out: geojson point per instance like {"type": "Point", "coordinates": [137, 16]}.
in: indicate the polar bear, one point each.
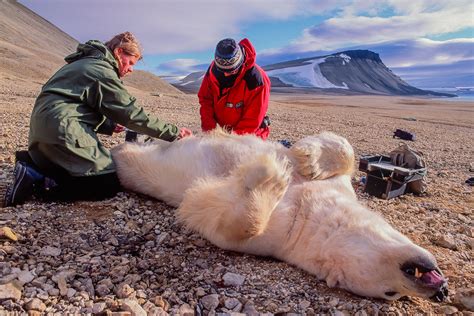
{"type": "Point", "coordinates": [297, 205]}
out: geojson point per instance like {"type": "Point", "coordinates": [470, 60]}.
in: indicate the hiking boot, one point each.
{"type": "Point", "coordinates": [22, 188]}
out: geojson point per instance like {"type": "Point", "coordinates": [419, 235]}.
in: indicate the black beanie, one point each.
{"type": "Point", "coordinates": [228, 55]}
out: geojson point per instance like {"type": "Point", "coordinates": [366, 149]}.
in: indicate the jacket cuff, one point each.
{"type": "Point", "coordinates": [107, 127]}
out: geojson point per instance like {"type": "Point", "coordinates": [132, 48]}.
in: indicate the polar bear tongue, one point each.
{"type": "Point", "coordinates": [432, 278]}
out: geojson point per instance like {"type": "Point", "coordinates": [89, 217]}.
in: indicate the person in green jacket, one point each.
{"type": "Point", "coordinates": [65, 159]}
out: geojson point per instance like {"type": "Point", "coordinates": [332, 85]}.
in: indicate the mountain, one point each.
{"type": "Point", "coordinates": [348, 72]}
{"type": "Point", "coordinates": [30, 46]}
{"type": "Point", "coordinates": [32, 49]}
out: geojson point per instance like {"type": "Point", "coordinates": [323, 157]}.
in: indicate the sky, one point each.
{"type": "Point", "coordinates": [418, 39]}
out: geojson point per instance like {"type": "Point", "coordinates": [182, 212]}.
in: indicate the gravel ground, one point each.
{"type": "Point", "coordinates": [127, 256]}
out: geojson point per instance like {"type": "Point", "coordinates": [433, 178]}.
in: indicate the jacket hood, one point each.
{"type": "Point", "coordinates": [92, 49]}
{"type": "Point", "coordinates": [250, 54]}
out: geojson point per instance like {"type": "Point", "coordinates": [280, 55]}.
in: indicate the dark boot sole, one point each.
{"type": "Point", "coordinates": [18, 174]}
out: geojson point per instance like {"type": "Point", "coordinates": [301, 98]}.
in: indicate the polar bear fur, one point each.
{"type": "Point", "coordinates": [297, 205]}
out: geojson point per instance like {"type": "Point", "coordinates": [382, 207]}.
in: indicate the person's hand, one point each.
{"type": "Point", "coordinates": [119, 128]}
{"type": "Point", "coordinates": [184, 132]}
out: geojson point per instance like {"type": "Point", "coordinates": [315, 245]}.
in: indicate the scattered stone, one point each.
{"type": "Point", "coordinates": [25, 277]}
{"type": "Point", "coordinates": [102, 290]}
{"type": "Point", "coordinates": [233, 304]}
{"type": "Point", "coordinates": [62, 285]}
{"type": "Point", "coordinates": [464, 298]}
{"type": "Point", "coordinates": [200, 292]}
{"type": "Point", "coordinates": [448, 310]}
{"type": "Point", "coordinates": [35, 304]}
{"type": "Point", "coordinates": [133, 307]}
{"type": "Point", "coordinates": [124, 290]}
{"type": "Point", "coordinates": [98, 307]}
{"type": "Point", "coordinates": [445, 241]}
{"type": "Point", "coordinates": [249, 309]}
{"type": "Point", "coordinates": [186, 310]}
{"type": "Point", "coordinates": [304, 304]}
{"type": "Point", "coordinates": [210, 302]}
{"type": "Point", "coordinates": [70, 292]}
{"type": "Point", "coordinates": [333, 302]}
{"type": "Point", "coordinates": [50, 251]}
{"type": "Point", "coordinates": [11, 290]}
{"type": "Point", "coordinates": [233, 279]}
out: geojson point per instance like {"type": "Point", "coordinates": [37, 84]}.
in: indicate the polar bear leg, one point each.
{"type": "Point", "coordinates": [140, 169]}
{"type": "Point", "coordinates": [323, 156]}
{"type": "Point", "coordinates": [239, 206]}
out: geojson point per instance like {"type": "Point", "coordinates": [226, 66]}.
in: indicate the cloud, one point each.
{"type": "Point", "coordinates": [459, 74]}
{"type": "Point", "coordinates": [168, 27]}
{"type": "Point", "coordinates": [396, 29]}
{"type": "Point", "coordinates": [415, 20]}
{"type": "Point", "coordinates": [409, 53]}
{"type": "Point", "coordinates": [181, 66]}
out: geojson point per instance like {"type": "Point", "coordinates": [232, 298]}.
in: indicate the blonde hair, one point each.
{"type": "Point", "coordinates": [127, 42]}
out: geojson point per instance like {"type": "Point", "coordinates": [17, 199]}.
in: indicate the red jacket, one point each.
{"type": "Point", "coordinates": [242, 107]}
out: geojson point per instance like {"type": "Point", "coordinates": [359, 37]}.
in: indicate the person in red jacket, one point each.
{"type": "Point", "coordinates": [235, 91]}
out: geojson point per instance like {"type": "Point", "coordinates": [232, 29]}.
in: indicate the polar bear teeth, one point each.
{"type": "Point", "coordinates": [418, 274]}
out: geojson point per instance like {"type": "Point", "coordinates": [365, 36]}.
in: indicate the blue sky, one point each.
{"type": "Point", "coordinates": [414, 37]}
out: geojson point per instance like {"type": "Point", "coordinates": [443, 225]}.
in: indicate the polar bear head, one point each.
{"type": "Point", "coordinates": [370, 258]}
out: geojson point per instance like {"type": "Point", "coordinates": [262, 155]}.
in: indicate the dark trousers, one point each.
{"type": "Point", "coordinates": [70, 188]}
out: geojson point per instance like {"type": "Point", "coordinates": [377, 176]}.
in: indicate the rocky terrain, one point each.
{"type": "Point", "coordinates": [127, 256]}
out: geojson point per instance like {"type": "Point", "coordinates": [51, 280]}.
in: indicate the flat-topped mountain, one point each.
{"type": "Point", "coordinates": [348, 72]}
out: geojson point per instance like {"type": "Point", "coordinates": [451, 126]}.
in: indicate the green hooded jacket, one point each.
{"type": "Point", "coordinates": [86, 97]}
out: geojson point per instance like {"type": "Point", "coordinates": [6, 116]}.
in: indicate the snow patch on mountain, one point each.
{"type": "Point", "coordinates": [345, 58]}
{"type": "Point", "coordinates": [307, 75]}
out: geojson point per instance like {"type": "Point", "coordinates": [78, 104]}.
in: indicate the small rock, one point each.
{"type": "Point", "coordinates": [53, 292]}
{"type": "Point", "coordinates": [124, 290]}
{"type": "Point", "coordinates": [35, 304]}
{"type": "Point", "coordinates": [98, 307]}
{"type": "Point", "coordinates": [186, 310]}
{"type": "Point", "coordinates": [11, 290]}
{"type": "Point", "coordinates": [249, 309]}
{"type": "Point", "coordinates": [141, 294]}
{"type": "Point", "coordinates": [304, 304]}
{"type": "Point", "coordinates": [161, 302]}
{"type": "Point", "coordinates": [161, 238]}
{"type": "Point", "coordinates": [464, 298]}
{"type": "Point", "coordinates": [50, 251]}
{"type": "Point", "coordinates": [231, 303]}
{"type": "Point", "coordinates": [25, 277]}
{"type": "Point", "coordinates": [102, 290]}
{"type": "Point", "coordinates": [62, 285]}
{"type": "Point", "coordinates": [233, 279]}
{"type": "Point", "coordinates": [133, 307]}
{"type": "Point", "coordinates": [448, 310]}
{"type": "Point", "coordinates": [70, 292]}
{"type": "Point", "coordinates": [445, 241]}
{"type": "Point", "coordinates": [333, 302]}
{"type": "Point", "coordinates": [42, 296]}
{"type": "Point", "coordinates": [210, 302]}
